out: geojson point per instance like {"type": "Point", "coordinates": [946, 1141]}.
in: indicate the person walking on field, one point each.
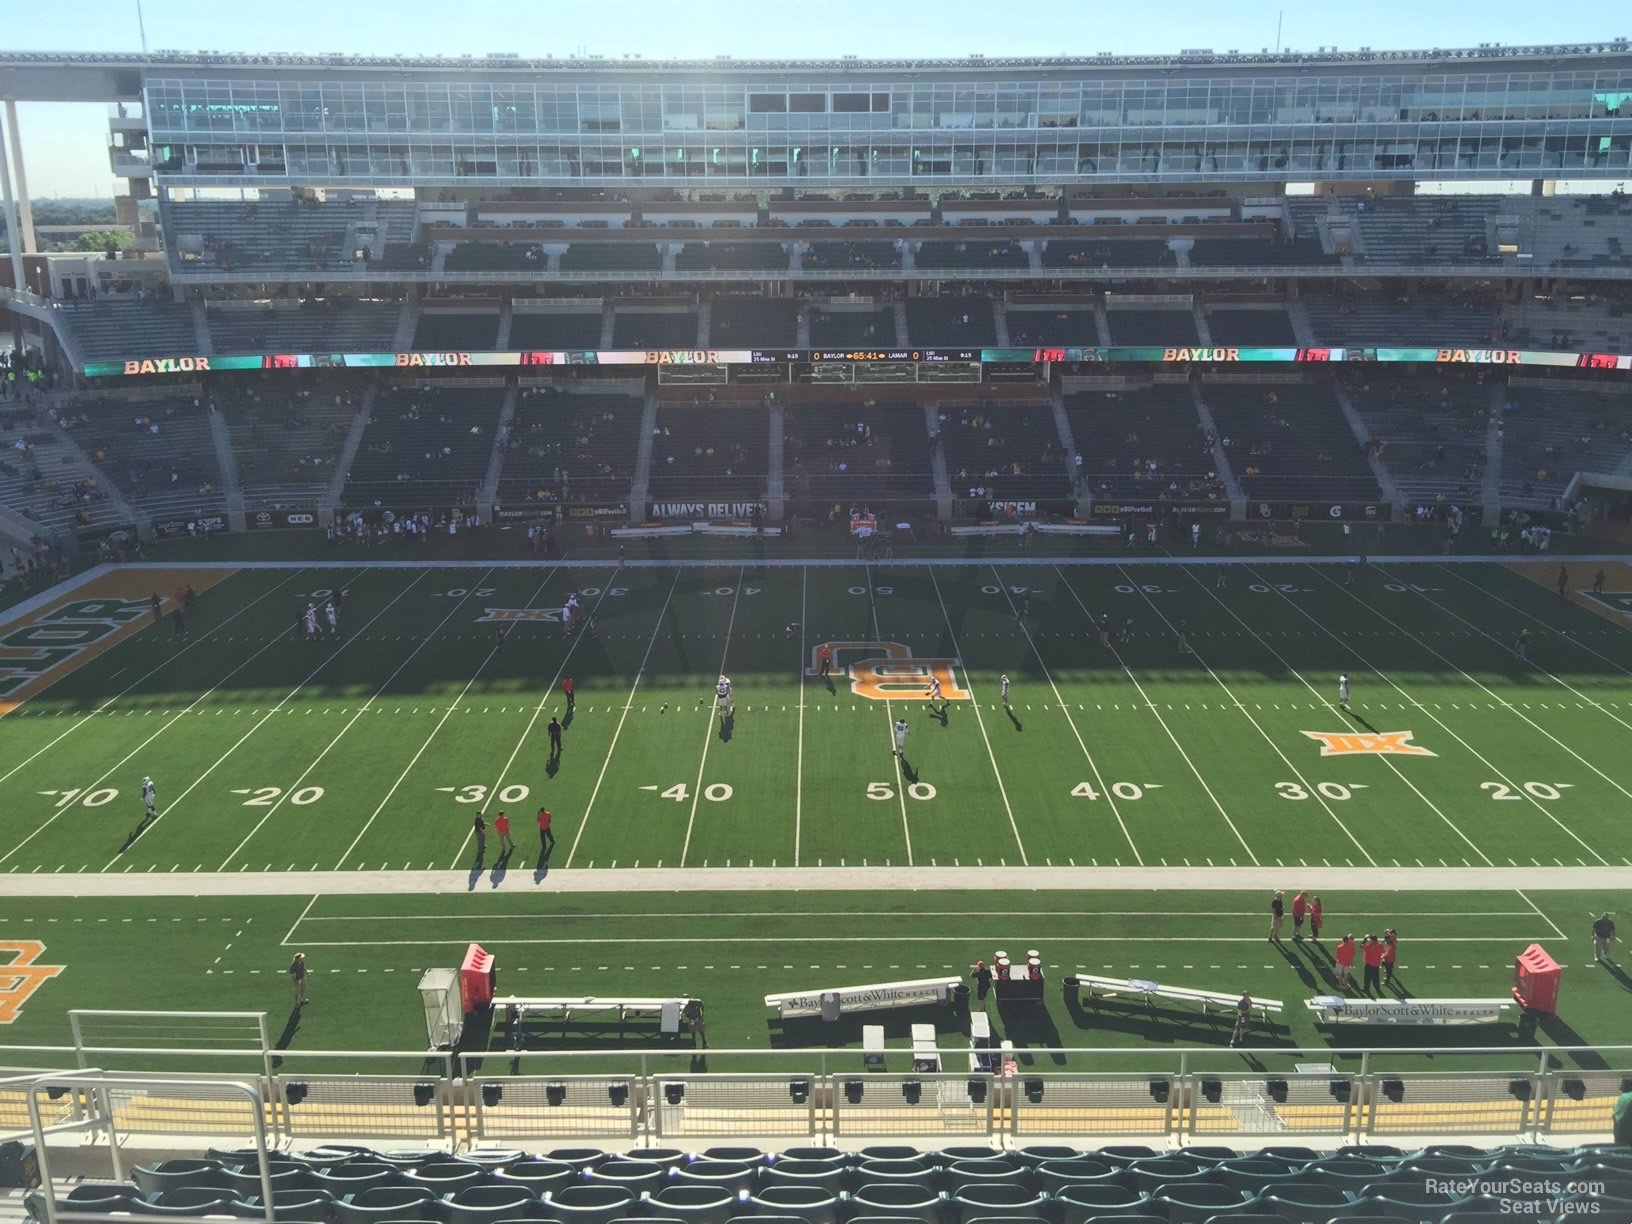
{"type": "Point", "coordinates": [1300, 905]}
{"type": "Point", "coordinates": [1277, 915]}
{"type": "Point", "coordinates": [555, 736]}
{"type": "Point", "coordinates": [1344, 956]}
{"type": "Point", "coordinates": [1316, 918]}
{"type": "Point", "coordinates": [297, 978]}
{"type": "Point", "coordinates": [568, 688]}
{"type": "Point", "coordinates": [546, 839]}
{"type": "Point", "coordinates": [1603, 934]}
{"type": "Point", "coordinates": [478, 827]}
{"type": "Point", "coordinates": [1391, 953]}
{"type": "Point", "coordinates": [501, 826]}
{"type": "Point", "coordinates": [1371, 954]}
{"type": "Point", "coordinates": [824, 659]}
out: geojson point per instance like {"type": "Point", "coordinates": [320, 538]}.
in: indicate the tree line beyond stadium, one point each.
{"type": "Point", "coordinates": [190, 363]}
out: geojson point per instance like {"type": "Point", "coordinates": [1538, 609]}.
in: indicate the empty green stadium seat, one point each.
{"type": "Point", "coordinates": [1150, 1175]}
{"type": "Point", "coordinates": [731, 1175]}
{"type": "Point", "coordinates": [1194, 1204]}
{"type": "Point", "coordinates": [383, 1204]}
{"type": "Point", "coordinates": [994, 1172]}
{"type": "Point", "coordinates": [541, 1176]}
{"type": "Point", "coordinates": [1255, 1175]}
{"type": "Point", "coordinates": [1305, 1201]}
{"type": "Point", "coordinates": [492, 1203]}
{"type": "Point", "coordinates": [907, 1172]}
{"type": "Point", "coordinates": [1054, 1175]}
{"type": "Point", "coordinates": [826, 1174]}
{"type": "Point", "coordinates": [494, 1158]}
{"type": "Point", "coordinates": [578, 1158]}
{"type": "Point", "coordinates": [896, 1199]}
{"type": "Point", "coordinates": [447, 1176]}
{"type": "Point", "coordinates": [638, 1176]}
{"type": "Point", "coordinates": [742, 1155]}
{"type": "Point", "coordinates": [168, 1174]}
{"type": "Point", "coordinates": [589, 1203]}
{"type": "Point", "coordinates": [283, 1174]}
{"type": "Point", "coordinates": [1296, 1156]}
{"type": "Point", "coordinates": [888, 1151]}
{"type": "Point", "coordinates": [1076, 1204]}
{"type": "Point", "coordinates": [1009, 1201]}
{"type": "Point", "coordinates": [656, 1155]}
{"type": "Point", "coordinates": [1041, 1153]}
{"type": "Point", "coordinates": [696, 1203]}
{"type": "Point", "coordinates": [303, 1206]}
{"type": "Point", "coordinates": [354, 1176]}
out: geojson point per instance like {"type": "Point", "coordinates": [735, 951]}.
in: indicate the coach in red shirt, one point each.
{"type": "Point", "coordinates": [546, 839]}
{"type": "Point", "coordinates": [1372, 953]}
{"type": "Point", "coordinates": [1344, 956]}
{"type": "Point", "coordinates": [501, 826]}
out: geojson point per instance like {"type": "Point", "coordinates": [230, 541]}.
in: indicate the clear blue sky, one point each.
{"type": "Point", "coordinates": [64, 147]}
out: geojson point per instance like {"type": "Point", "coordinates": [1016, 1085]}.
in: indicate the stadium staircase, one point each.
{"type": "Point", "coordinates": [1000, 322]}
{"type": "Point", "coordinates": [1490, 493]}
{"type": "Point", "coordinates": [507, 313]}
{"type": "Point", "coordinates": [775, 477]}
{"type": "Point", "coordinates": [19, 531]}
{"type": "Point", "coordinates": [901, 337]}
{"type": "Point", "coordinates": [406, 325]}
{"type": "Point", "coordinates": [227, 459]}
{"type": "Point", "coordinates": [1221, 457]}
{"type": "Point", "coordinates": [1062, 423]}
{"type": "Point", "coordinates": [1302, 327]}
{"type": "Point", "coordinates": [802, 334]}
{"type": "Point", "coordinates": [1102, 322]}
{"type": "Point", "coordinates": [937, 456]}
{"type": "Point", "coordinates": [348, 451]}
{"type": "Point", "coordinates": [643, 454]}
{"type": "Point", "coordinates": [116, 499]}
{"type": "Point", "coordinates": [705, 321]}
{"type": "Point", "coordinates": [608, 315]}
{"type": "Point", "coordinates": [1034, 258]}
{"type": "Point", "coordinates": [1204, 332]}
{"type": "Point", "coordinates": [488, 496]}
{"type": "Point", "coordinates": [1362, 436]}
{"type": "Point", "coordinates": [201, 329]}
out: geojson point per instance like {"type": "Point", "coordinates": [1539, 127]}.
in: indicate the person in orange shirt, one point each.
{"type": "Point", "coordinates": [1300, 905]}
{"type": "Point", "coordinates": [1345, 961]}
{"type": "Point", "coordinates": [501, 826]}
{"type": "Point", "coordinates": [1391, 953]}
{"type": "Point", "coordinates": [1372, 953]}
{"type": "Point", "coordinates": [1316, 919]}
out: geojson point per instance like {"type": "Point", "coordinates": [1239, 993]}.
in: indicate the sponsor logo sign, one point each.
{"type": "Point", "coordinates": [262, 520]}
{"type": "Point", "coordinates": [1367, 743]}
{"type": "Point", "coordinates": [887, 671]}
{"type": "Point", "coordinates": [22, 975]}
{"type": "Point", "coordinates": [706, 510]}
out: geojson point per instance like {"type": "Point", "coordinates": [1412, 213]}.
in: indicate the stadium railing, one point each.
{"type": "Point", "coordinates": [450, 1099]}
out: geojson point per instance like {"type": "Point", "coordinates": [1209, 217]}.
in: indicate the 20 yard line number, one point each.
{"type": "Point", "coordinates": [266, 796]}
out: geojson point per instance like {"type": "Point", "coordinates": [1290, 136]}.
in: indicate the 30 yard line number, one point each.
{"type": "Point", "coordinates": [1326, 790]}
{"type": "Point", "coordinates": [514, 793]}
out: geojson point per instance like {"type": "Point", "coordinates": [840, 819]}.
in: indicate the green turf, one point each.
{"type": "Point", "coordinates": [271, 752]}
{"type": "Point", "coordinates": [366, 954]}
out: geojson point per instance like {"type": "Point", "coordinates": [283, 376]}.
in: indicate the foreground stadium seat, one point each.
{"type": "Point", "coordinates": [283, 1174]}
{"type": "Point", "coordinates": [729, 1175]}
{"type": "Point", "coordinates": [383, 1204]}
{"type": "Point", "coordinates": [412, 1158]}
{"type": "Point", "coordinates": [1054, 1175]}
{"type": "Point", "coordinates": [540, 1176]}
{"type": "Point", "coordinates": [447, 1176]}
{"type": "Point", "coordinates": [813, 1204]}
{"type": "Point", "coordinates": [742, 1155]}
{"type": "Point", "coordinates": [896, 1199]}
{"type": "Point", "coordinates": [1370, 1151]}
{"type": "Point", "coordinates": [1123, 1155]}
{"type": "Point", "coordinates": [813, 1153]}
{"type": "Point", "coordinates": [1042, 1153]}
{"type": "Point", "coordinates": [1009, 1201]}
{"type": "Point", "coordinates": [1150, 1175]}
{"type": "Point", "coordinates": [354, 1176]}
{"type": "Point", "coordinates": [1194, 1204]}
{"type": "Point", "coordinates": [888, 1151]}
{"type": "Point", "coordinates": [1345, 1174]}
{"type": "Point", "coordinates": [1293, 1156]}
{"type": "Point", "coordinates": [828, 1175]}
{"type": "Point", "coordinates": [696, 1203]}
{"type": "Point", "coordinates": [1256, 1175]}
{"type": "Point", "coordinates": [983, 1173]}
{"type": "Point", "coordinates": [1306, 1201]}
{"type": "Point", "coordinates": [490, 1203]}
{"type": "Point", "coordinates": [590, 1203]}
{"type": "Point", "coordinates": [494, 1158]}
{"type": "Point", "coordinates": [168, 1174]}
{"type": "Point", "coordinates": [1119, 1218]}
{"type": "Point", "coordinates": [970, 1152]}
{"type": "Point", "coordinates": [1207, 1155]}
{"type": "Point", "coordinates": [656, 1155]}
{"type": "Point", "coordinates": [301, 1206]}
{"type": "Point", "coordinates": [578, 1158]}
{"type": "Point", "coordinates": [906, 1172]}
{"type": "Point", "coordinates": [637, 1176]}
{"type": "Point", "coordinates": [1076, 1204]}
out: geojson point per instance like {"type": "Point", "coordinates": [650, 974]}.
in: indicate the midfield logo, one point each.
{"type": "Point", "coordinates": [22, 976]}
{"type": "Point", "coordinates": [886, 671]}
{"type": "Point", "coordinates": [1375, 743]}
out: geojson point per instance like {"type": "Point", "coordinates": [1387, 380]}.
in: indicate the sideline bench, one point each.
{"type": "Point", "coordinates": [833, 1002]}
{"type": "Point", "coordinates": [1107, 988]}
{"type": "Point", "coordinates": [667, 1011]}
{"type": "Point", "coordinates": [1338, 1009]}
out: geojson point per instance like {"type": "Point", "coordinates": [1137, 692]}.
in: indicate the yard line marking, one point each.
{"type": "Point", "coordinates": [970, 685]}
{"type": "Point", "coordinates": [1558, 680]}
{"type": "Point", "coordinates": [265, 718]}
{"type": "Point", "coordinates": [285, 941]}
{"type": "Point", "coordinates": [169, 662]}
{"type": "Point", "coordinates": [1066, 709]}
{"type": "Point", "coordinates": [697, 793]}
{"type": "Point", "coordinates": [897, 762]}
{"type": "Point", "coordinates": [1539, 914]}
{"type": "Point", "coordinates": [1505, 703]}
{"type": "Point", "coordinates": [799, 758]}
{"type": "Point", "coordinates": [539, 708]}
{"type": "Point", "coordinates": [627, 706]}
{"type": "Point", "coordinates": [169, 722]}
{"type": "Point", "coordinates": [406, 659]}
{"type": "Point", "coordinates": [1393, 768]}
{"type": "Point", "coordinates": [453, 705]}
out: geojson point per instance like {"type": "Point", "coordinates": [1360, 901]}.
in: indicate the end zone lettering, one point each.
{"type": "Point", "coordinates": [1480, 356]}
{"type": "Point", "coordinates": [433, 359]}
{"type": "Point", "coordinates": [168, 365]}
{"type": "Point", "coordinates": [1201, 354]}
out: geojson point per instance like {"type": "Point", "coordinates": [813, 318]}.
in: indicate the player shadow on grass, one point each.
{"type": "Point", "coordinates": [1298, 967]}
{"type": "Point", "coordinates": [1616, 972]}
{"type": "Point", "coordinates": [728, 725]}
{"type": "Point", "coordinates": [1014, 718]}
{"type": "Point", "coordinates": [287, 1037]}
{"type": "Point", "coordinates": [541, 869]}
{"type": "Point", "coordinates": [1357, 718]}
{"type": "Point", "coordinates": [553, 765]}
{"type": "Point", "coordinates": [147, 823]}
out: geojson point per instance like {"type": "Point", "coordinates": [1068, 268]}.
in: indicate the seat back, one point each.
{"type": "Point", "coordinates": [640, 1176]}
{"type": "Point", "coordinates": [589, 1203]}
{"type": "Point", "coordinates": [810, 1203]}
{"type": "Point", "coordinates": [730, 1174]}
{"type": "Point", "coordinates": [1014, 1202]}
{"type": "Point", "coordinates": [697, 1202]}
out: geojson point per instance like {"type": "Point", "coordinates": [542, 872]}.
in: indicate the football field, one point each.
{"type": "Point", "coordinates": [374, 748]}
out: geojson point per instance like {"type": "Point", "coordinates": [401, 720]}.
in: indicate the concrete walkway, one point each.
{"type": "Point", "coordinates": [522, 878]}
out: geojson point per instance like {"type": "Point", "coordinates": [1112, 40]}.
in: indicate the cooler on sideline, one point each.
{"type": "Point", "coordinates": [478, 976]}
{"type": "Point", "coordinates": [1535, 980]}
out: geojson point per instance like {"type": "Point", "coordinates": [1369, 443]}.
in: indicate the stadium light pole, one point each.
{"type": "Point", "coordinates": [141, 26]}
{"type": "Point", "coordinates": [19, 283]}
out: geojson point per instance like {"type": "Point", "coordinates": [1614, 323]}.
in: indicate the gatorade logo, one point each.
{"type": "Point", "coordinates": [887, 671]}
{"type": "Point", "coordinates": [22, 976]}
{"type": "Point", "coordinates": [1374, 743]}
